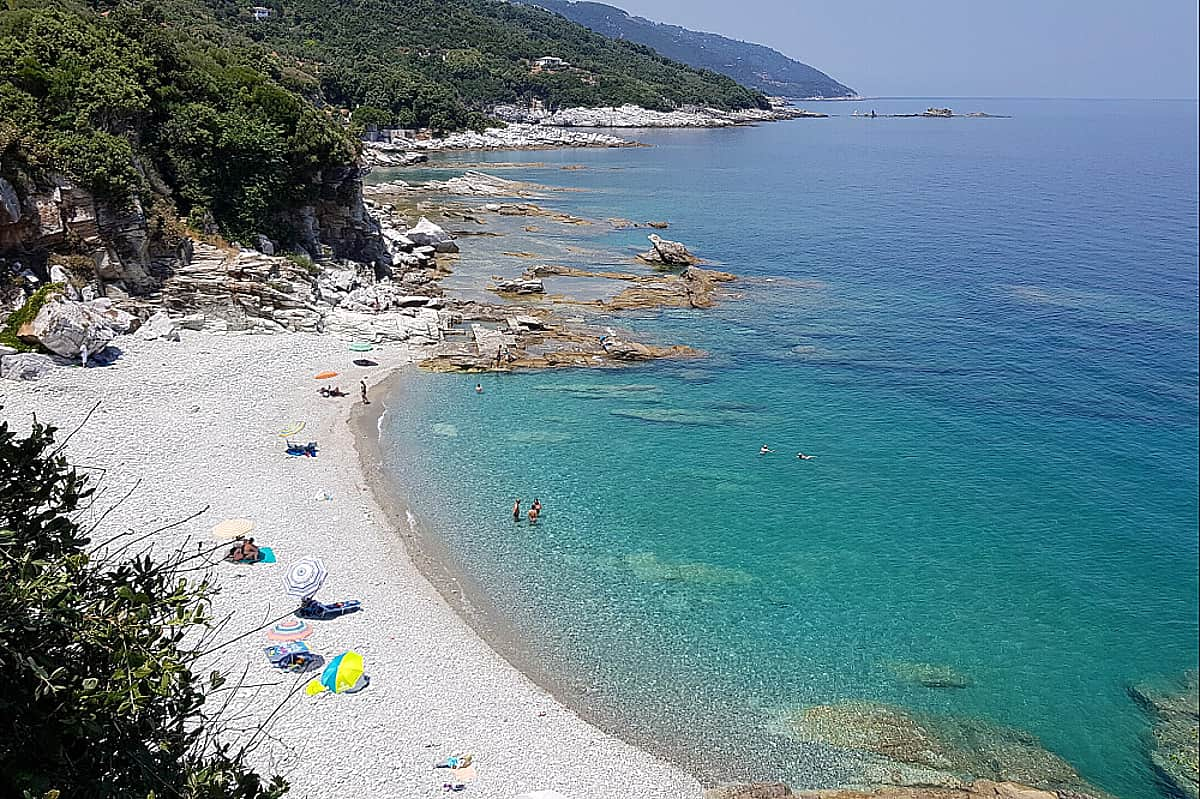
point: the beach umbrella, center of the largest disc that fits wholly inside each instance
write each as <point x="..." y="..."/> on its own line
<point x="360" y="346"/>
<point x="230" y="529"/>
<point x="541" y="795"/>
<point x="343" y="674"/>
<point x="305" y="577"/>
<point x="295" y="428"/>
<point x="325" y="375"/>
<point x="289" y="630"/>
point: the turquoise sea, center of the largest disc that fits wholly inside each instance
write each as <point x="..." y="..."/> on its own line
<point x="985" y="330"/>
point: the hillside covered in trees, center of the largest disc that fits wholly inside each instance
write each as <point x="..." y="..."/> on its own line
<point x="751" y="64"/>
<point x="232" y="119"/>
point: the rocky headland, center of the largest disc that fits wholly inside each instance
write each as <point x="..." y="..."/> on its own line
<point x="632" y="116"/>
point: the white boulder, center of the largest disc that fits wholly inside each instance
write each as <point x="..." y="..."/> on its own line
<point x="121" y="322"/>
<point x="160" y="326"/>
<point x="65" y="328"/>
<point x="427" y="234"/>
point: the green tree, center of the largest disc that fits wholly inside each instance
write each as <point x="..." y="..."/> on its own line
<point x="99" y="698"/>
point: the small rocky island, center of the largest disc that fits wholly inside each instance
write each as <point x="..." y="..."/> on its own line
<point x="931" y="113"/>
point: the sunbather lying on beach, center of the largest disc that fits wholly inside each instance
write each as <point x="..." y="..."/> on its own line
<point x="312" y="609"/>
<point x="244" y="552"/>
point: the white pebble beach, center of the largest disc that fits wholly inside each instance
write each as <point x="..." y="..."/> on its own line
<point x="195" y="422"/>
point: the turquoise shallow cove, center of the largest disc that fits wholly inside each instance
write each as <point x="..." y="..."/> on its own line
<point x="985" y="330"/>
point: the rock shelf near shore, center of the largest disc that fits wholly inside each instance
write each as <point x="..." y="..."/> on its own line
<point x="1175" y="711"/>
<point x="632" y="116"/>
<point x="511" y="137"/>
<point x="935" y="750"/>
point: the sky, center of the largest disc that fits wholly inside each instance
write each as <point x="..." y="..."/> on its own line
<point x="966" y="48"/>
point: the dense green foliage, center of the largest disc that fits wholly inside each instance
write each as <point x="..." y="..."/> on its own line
<point x="441" y="63"/>
<point x="751" y="64"/>
<point x="236" y="118"/>
<point x="98" y="697"/>
<point x="26" y="313"/>
<point x="114" y="100"/>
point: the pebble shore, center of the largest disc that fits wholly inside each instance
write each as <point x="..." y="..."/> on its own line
<point x="195" y="422"/>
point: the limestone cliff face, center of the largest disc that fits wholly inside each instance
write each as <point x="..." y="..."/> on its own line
<point x="133" y="251"/>
<point x="65" y="218"/>
<point x="338" y="219"/>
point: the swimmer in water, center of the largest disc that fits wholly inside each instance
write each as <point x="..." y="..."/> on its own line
<point x="804" y="457"/>
<point x="479" y="388"/>
<point x="764" y="450"/>
<point x="533" y="515"/>
<point x="537" y="505"/>
<point x="517" y="511"/>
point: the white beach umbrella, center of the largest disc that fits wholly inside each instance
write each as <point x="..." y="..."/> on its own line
<point x="231" y="529"/>
<point x="541" y="795"/>
<point x="305" y="577"/>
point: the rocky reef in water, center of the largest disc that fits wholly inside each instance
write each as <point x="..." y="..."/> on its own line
<point x="945" y="751"/>
<point x="980" y="789"/>
<point x="1174" y="709"/>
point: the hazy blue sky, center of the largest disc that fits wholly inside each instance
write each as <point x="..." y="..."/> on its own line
<point x="1051" y="48"/>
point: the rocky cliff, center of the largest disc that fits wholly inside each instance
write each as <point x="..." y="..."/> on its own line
<point x="122" y="251"/>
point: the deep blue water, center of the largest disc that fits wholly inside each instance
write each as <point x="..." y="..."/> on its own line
<point x="985" y="330"/>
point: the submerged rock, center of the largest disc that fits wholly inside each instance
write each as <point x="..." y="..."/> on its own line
<point x="929" y="675"/>
<point x="960" y="747"/>
<point x="1175" y="710"/>
<point x="649" y="566"/>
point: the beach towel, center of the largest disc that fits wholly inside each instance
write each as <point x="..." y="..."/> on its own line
<point x="266" y="555"/>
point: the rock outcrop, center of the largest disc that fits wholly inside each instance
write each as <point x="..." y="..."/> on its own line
<point x="117" y="240"/>
<point x="1175" y="711"/>
<point x="667" y="253"/>
<point x="427" y="234"/>
<point x="338" y="219"/>
<point x="980" y="789"/>
<point x="958" y="749"/>
<point x="515" y="137"/>
<point x="131" y="250"/>
<point x="69" y="328"/>
<point x="632" y="116"/>
<point x="520" y="286"/>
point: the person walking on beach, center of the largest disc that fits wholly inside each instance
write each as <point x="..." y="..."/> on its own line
<point x="517" y="511"/>
<point x="362" y="389"/>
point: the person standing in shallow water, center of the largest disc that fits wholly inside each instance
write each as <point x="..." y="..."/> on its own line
<point x="362" y="389"/>
<point x="517" y="511"/>
<point x="533" y="515"/>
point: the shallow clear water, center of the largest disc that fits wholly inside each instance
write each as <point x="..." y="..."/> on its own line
<point x="986" y="332"/>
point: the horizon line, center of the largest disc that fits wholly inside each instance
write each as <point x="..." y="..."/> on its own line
<point x="994" y="97"/>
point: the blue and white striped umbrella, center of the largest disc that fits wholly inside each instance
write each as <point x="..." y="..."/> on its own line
<point x="305" y="577"/>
